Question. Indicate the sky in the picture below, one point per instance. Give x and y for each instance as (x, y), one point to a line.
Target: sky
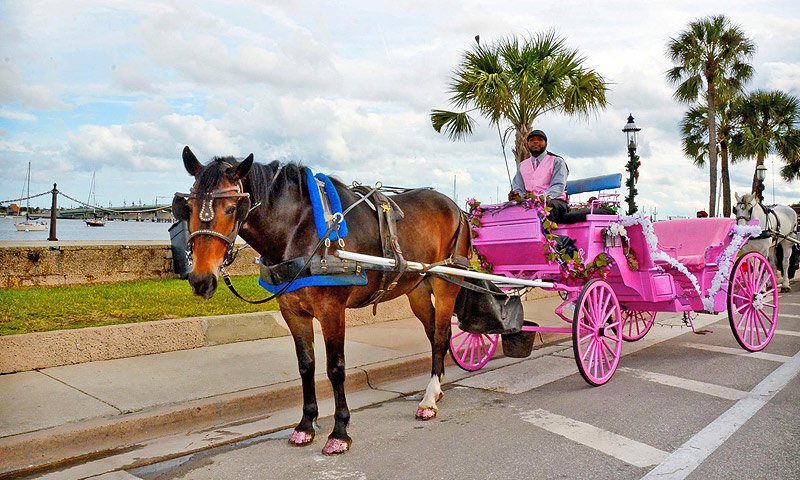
(116, 89)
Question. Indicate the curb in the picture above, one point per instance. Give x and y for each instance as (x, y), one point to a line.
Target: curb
(77, 442)
(34, 351)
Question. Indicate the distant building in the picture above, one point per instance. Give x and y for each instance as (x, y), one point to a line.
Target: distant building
(13, 209)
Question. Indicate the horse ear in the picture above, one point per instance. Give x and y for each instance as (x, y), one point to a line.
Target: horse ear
(191, 163)
(738, 198)
(243, 168)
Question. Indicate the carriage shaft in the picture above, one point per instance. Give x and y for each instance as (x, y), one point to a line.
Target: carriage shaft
(421, 267)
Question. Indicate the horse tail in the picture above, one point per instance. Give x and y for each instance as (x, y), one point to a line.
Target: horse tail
(463, 221)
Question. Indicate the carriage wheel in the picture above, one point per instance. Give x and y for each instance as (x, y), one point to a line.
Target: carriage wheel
(753, 301)
(636, 324)
(471, 351)
(596, 332)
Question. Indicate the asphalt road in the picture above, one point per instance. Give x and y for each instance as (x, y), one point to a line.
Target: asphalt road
(681, 406)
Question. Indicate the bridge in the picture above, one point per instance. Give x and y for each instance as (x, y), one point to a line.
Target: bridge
(137, 213)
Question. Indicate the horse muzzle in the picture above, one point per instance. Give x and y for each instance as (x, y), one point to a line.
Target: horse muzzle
(203, 285)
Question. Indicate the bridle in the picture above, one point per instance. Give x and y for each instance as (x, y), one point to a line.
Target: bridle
(743, 207)
(206, 215)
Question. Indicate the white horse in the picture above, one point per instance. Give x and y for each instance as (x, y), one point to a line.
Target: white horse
(778, 223)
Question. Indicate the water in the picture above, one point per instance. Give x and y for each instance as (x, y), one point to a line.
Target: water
(78, 230)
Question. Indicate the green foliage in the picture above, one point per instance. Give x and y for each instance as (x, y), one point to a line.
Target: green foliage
(41, 309)
(515, 81)
(767, 123)
(632, 167)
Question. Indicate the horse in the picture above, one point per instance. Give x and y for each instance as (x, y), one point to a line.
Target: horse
(778, 223)
(267, 205)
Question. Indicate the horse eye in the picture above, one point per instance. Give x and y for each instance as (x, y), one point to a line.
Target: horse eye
(229, 210)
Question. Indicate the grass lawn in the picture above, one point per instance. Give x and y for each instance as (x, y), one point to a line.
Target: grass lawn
(40, 309)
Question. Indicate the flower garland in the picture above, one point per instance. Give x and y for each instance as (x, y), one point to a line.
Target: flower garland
(572, 264)
(724, 261)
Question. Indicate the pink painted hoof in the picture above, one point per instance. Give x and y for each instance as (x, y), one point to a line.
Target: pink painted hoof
(299, 439)
(335, 446)
(426, 413)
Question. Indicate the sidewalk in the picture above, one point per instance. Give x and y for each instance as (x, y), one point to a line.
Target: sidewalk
(55, 414)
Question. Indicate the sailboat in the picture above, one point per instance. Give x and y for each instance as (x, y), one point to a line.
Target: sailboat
(95, 222)
(29, 225)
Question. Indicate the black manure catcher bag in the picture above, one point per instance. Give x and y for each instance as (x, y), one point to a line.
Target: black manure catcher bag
(481, 307)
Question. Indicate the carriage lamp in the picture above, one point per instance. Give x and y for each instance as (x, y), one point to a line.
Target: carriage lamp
(632, 167)
(761, 174)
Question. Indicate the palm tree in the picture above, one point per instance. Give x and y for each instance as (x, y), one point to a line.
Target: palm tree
(768, 124)
(516, 82)
(709, 51)
(694, 130)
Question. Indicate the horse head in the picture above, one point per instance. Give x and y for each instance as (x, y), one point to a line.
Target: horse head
(214, 211)
(744, 207)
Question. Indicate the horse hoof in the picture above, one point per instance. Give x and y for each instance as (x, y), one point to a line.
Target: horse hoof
(335, 446)
(785, 289)
(299, 439)
(426, 413)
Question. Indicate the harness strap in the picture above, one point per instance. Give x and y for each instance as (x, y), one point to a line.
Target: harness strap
(388, 213)
(307, 266)
(468, 285)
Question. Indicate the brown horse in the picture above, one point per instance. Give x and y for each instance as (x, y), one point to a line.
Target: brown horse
(268, 206)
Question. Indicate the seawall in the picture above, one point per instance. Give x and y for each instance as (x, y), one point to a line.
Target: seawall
(75, 262)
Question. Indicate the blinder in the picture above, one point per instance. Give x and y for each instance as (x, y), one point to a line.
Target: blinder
(180, 207)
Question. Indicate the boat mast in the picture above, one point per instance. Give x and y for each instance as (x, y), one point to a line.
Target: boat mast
(28, 196)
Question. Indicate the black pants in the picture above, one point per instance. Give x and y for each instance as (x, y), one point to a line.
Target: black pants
(558, 208)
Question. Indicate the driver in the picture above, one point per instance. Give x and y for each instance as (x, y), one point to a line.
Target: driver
(543, 173)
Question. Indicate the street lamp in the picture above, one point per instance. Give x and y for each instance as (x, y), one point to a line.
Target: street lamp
(761, 174)
(633, 164)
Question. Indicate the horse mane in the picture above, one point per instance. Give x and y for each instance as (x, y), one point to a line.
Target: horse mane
(259, 181)
(292, 174)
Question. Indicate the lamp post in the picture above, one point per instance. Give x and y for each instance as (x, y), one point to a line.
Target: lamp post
(633, 164)
(761, 174)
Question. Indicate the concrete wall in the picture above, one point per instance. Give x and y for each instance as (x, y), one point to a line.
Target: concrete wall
(76, 262)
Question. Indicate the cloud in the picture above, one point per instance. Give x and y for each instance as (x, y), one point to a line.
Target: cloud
(16, 115)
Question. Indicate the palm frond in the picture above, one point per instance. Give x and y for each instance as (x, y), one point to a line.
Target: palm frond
(457, 125)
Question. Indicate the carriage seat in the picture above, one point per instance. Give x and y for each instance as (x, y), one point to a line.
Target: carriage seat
(590, 184)
(689, 240)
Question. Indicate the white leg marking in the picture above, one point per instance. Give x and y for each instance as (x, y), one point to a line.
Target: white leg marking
(622, 448)
(431, 393)
(683, 461)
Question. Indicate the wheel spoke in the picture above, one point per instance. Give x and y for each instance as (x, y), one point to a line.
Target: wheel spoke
(464, 340)
(472, 348)
(463, 353)
(605, 356)
(768, 318)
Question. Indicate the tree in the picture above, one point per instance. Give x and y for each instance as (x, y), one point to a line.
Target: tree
(694, 131)
(711, 51)
(767, 123)
(516, 82)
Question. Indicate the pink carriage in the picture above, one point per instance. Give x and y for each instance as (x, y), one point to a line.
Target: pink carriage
(687, 265)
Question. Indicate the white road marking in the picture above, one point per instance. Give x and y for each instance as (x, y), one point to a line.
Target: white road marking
(790, 304)
(524, 376)
(787, 315)
(686, 384)
(629, 451)
(683, 461)
(790, 333)
(739, 351)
